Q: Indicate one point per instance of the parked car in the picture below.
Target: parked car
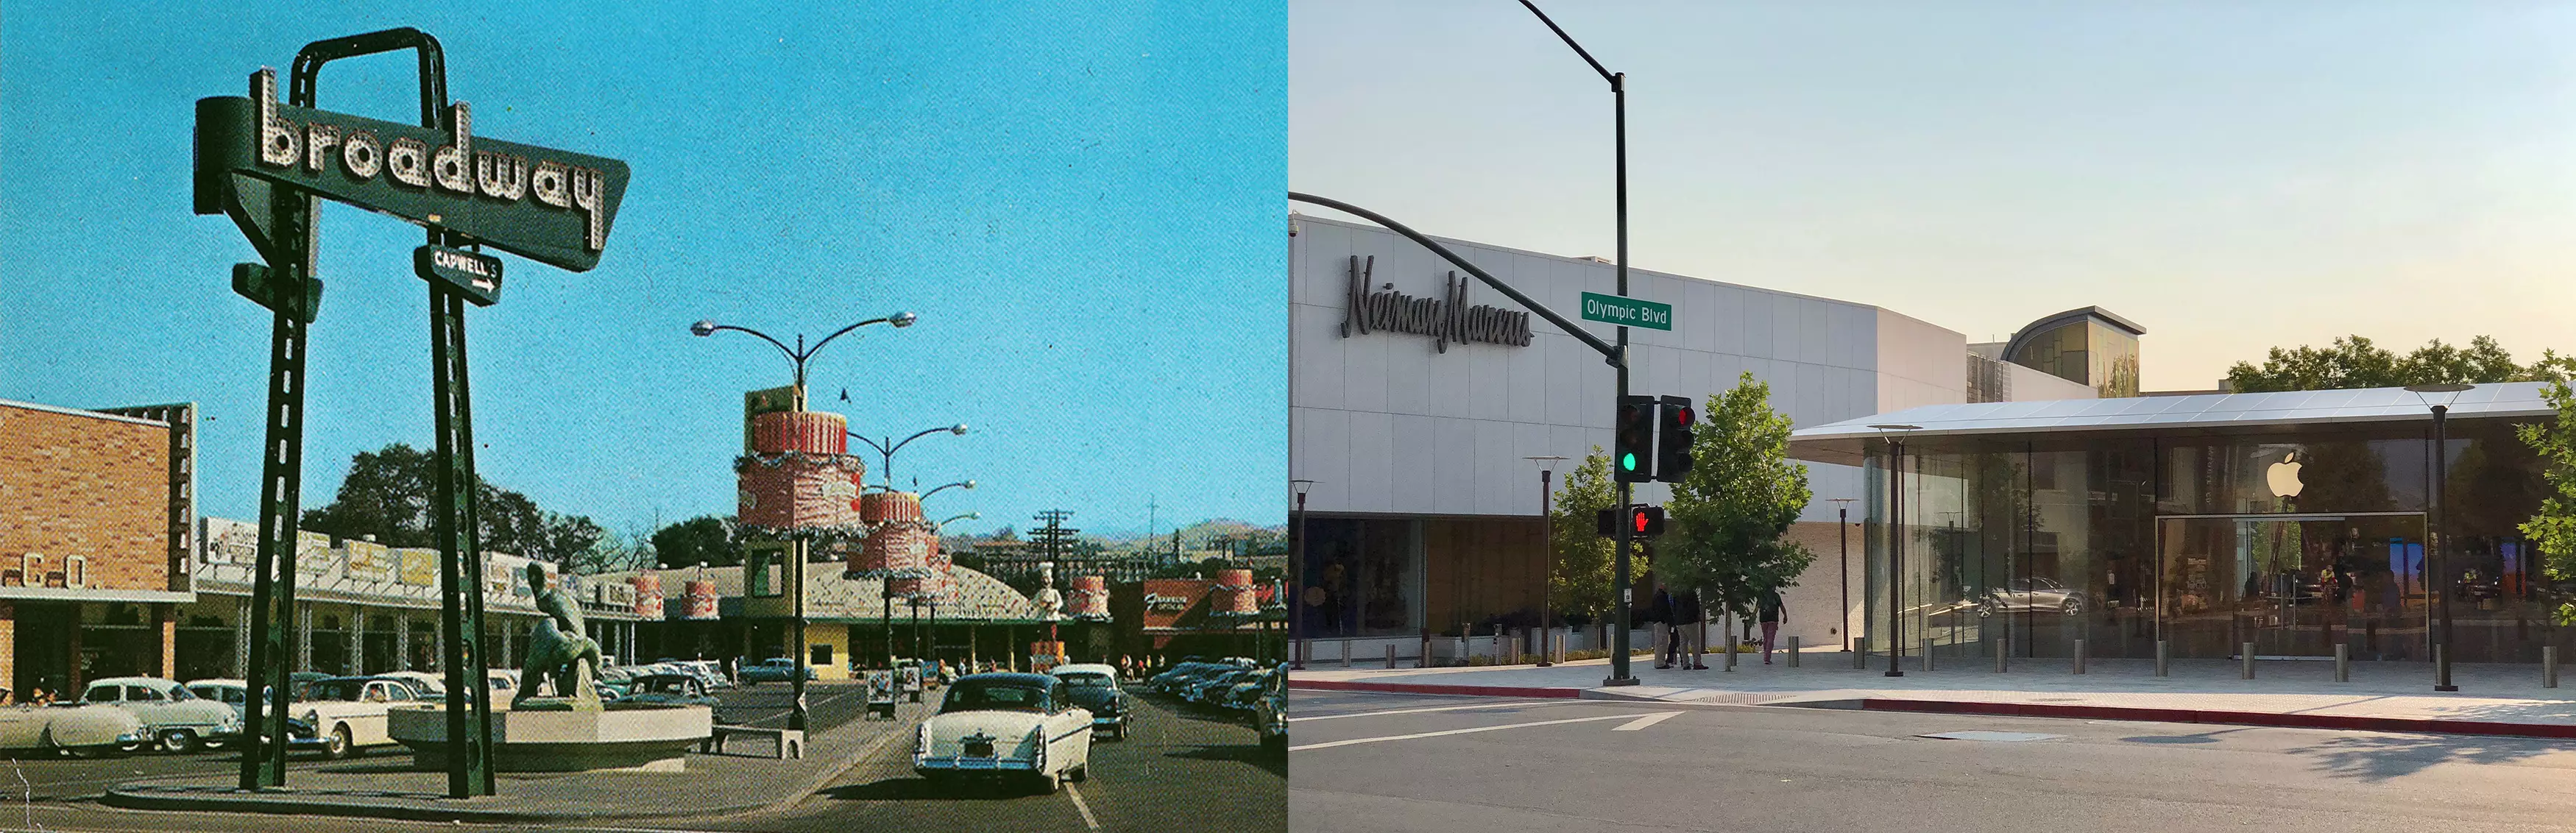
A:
(1170, 680)
(235, 693)
(1241, 695)
(1095, 688)
(174, 719)
(708, 671)
(670, 689)
(1006, 725)
(2037, 593)
(297, 681)
(76, 729)
(772, 670)
(1270, 715)
(1203, 690)
(350, 711)
(617, 678)
(425, 684)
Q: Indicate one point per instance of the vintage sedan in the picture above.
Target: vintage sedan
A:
(774, 670)
(1006, 725)
(1095, 689)
(350, 712)
(669, 689)
(81, 730)
(173, 718)
(1270, 714)
(299, 734)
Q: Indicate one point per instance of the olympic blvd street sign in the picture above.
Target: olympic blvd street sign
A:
(552, 206)
(1627, 312)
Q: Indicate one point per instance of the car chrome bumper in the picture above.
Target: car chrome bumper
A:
(958, 764)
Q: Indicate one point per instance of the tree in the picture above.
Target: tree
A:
(704, 538)
(2553, 528)
(2355, 362)
(1582, 578)
(1724, 526)
(388, 494)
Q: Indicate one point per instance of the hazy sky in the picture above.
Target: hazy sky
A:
(1080, 204)
(2231, 176)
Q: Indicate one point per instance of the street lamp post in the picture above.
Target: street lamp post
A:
(1842, 529)
(2441, 539)
(798, 714)
(962, 484)
(889, 447)
(1619, 670)
(1895, 543)
(1547, 556)
(934, 531)
(1296, 582)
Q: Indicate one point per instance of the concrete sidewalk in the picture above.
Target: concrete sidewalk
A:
(384, 785)
(2493, 699)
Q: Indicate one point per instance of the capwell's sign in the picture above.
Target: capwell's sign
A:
(552, 206)
(1446, 318)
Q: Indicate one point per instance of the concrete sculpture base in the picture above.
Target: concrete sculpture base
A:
(641, 739)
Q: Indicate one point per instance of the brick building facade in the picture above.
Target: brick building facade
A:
(95, 517)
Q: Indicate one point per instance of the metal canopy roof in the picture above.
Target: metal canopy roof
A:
(1842, 442)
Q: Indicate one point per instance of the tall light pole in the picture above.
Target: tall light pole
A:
(889, 447)
(1842, 529)
(1296, 581)
(934, 531)
(1895, 435)
(1547, 554)
(962, 484)
(1619, 670)
(798, 715)
(2441, 539)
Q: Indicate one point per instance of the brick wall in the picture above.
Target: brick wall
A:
(75, 485)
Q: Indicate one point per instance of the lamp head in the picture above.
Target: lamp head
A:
(901, 319)
(1301, 486)
(960, 429)
(703, 328)
(970, 485)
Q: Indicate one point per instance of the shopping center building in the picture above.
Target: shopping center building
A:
(2296, 522)
(97, 512)
(1416, 394)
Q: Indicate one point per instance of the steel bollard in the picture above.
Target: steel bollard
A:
(1423, 660)
(2343, 663)
(2001, 651)
(2079, 656)
(1927, 653)
(1730, 650)
(2164, 658)
(1390, 656)
(1346, 653)
(1793, 652)
(2548, 666)
(1860, 653)
(2248, 655)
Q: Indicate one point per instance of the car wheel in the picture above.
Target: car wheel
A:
(2074, 606)
(340, 745)
(130, 748)
(1079, 774)
(178, 740)
(1274, 744)
(1047, 783)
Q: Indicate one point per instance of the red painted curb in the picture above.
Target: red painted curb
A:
(2298, 721)
(1420, 688)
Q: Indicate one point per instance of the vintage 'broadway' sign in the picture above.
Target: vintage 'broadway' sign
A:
(551, 206)
(1447, 318)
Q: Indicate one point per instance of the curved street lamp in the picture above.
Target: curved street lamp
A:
(962, 484)
(800, 353)
(888, 448)
(965, 517)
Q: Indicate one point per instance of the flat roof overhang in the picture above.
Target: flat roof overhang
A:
(1951, 428)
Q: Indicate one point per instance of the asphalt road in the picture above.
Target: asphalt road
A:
(1179, 769)
(1419, 764)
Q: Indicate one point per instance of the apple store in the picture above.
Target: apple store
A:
(2293, 521)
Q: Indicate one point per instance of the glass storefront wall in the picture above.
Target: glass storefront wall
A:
(2295, 543)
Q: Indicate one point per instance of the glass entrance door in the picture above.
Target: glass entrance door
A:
(2293, 585)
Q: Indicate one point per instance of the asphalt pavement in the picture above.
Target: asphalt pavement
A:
(1383, 762)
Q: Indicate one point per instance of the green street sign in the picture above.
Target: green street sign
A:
(551, 206)
(1627, 312)
(475, 274)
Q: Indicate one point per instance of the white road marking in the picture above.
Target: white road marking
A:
(1416, 735)
(1643, 722)
(1076, 793)
(1295, 719)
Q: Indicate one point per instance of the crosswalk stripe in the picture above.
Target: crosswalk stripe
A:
(1643, 722)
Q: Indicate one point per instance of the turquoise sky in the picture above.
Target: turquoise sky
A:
(2232, 176)
(1079, 200)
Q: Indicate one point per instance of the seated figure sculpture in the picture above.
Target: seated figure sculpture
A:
(558, 650)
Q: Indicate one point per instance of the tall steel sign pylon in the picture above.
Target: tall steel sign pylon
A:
(265, 165)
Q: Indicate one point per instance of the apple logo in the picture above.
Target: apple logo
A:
(2284, 476)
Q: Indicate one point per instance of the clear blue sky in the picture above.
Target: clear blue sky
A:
(1080, 203)
(2232, 176)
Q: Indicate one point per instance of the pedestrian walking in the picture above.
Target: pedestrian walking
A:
(1692, 623)
(1772, 612)
(1663, 619)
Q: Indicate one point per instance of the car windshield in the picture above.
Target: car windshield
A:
(994, 695)
(1088, 680)
(343, 690)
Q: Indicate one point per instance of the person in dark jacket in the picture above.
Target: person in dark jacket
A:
(1690, 624)
(1663, 616)
(1772, 612)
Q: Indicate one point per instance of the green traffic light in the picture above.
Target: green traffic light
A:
(1628, 461)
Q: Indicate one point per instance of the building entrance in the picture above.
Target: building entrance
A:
(2294, 586)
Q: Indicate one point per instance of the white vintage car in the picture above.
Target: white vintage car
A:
(173, 718)
(349, 712)
(236, 694)
(1022, 726)
(83, 730)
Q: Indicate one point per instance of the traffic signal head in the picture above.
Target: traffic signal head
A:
(1645, 521)
(1673, 438)
(1632, 459)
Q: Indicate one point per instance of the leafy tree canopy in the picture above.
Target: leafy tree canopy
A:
(2356, 362)
(387, 494)
(705, 538)
(1725, 523)
(1581, 581)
